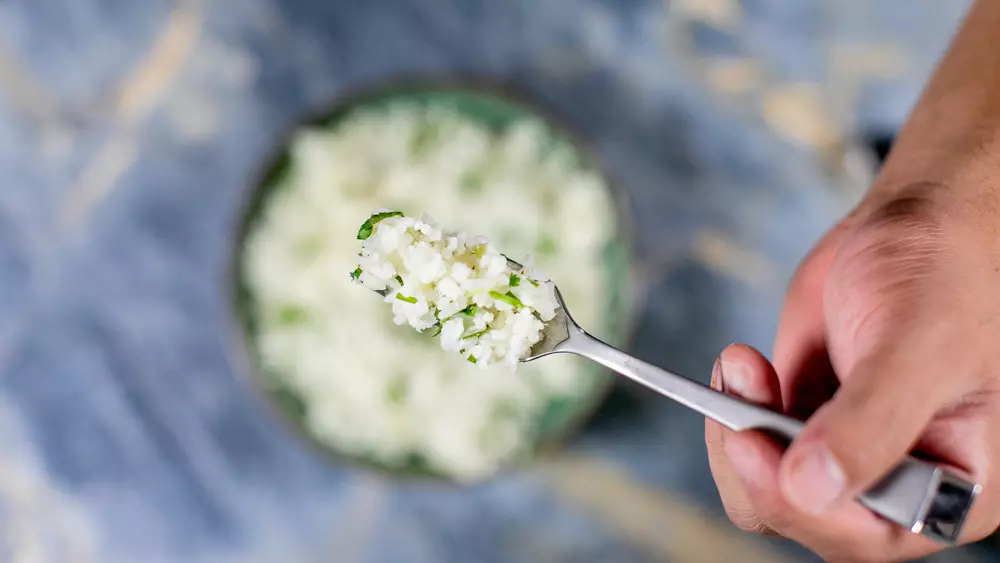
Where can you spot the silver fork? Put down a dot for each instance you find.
(924, 498)
(920, 496)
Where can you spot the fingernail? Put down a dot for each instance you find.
(736, 376)
(814, 481)
(744, 461)
(716, 381)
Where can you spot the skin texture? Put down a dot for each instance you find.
(889, 339)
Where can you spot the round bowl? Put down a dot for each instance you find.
(496, 106)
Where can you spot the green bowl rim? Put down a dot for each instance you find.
(241, 357)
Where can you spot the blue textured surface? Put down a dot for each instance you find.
(129, 134)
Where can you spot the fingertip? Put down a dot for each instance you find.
(745, 372)
(811, 479)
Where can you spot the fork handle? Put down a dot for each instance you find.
(920, 496)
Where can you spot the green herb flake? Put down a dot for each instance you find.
(311, 247)
(424, 138)
(546, 245)
(368, 226)
(468, 312)
(396, 391)
(400, 280)
(438, 326)
(406, 299)
(508, 298)
(472, 181)
(292, 315)
(514, 280)
(532, 282)
(472, 359)
(476, 334)
(356, 273)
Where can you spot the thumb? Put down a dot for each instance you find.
(880, 410)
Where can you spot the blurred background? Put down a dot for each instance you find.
(132, 134)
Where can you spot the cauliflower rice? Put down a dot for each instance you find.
(483, 306)
(381, 392)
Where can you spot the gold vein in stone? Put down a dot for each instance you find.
(135, 99)
(24, 93)
(138, 94)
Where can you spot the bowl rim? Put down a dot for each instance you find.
(239, 347)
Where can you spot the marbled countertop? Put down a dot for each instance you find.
(130, 131)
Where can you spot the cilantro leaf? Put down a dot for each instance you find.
(468, 312)
(476, 334)
(292, 315)
(368, 226)
(508, 298)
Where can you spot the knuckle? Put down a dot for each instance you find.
(776, 520)
(917, 205)
(745, 518)
(892, 252)
(762, 516)
(904, 226)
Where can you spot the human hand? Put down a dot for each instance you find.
(889, 341)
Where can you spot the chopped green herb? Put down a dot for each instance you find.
(368, 226)
(311, 247)
(400, 280)
(508, 298)
(532, 282)
(406, 299)
(472, 359)
(356, 273)
(396, 391)
(476, 334)
(438, 325)
(468, 312)
(546, 245)
(514, 280)
(292, 315)
(423, 138)
(472, 181)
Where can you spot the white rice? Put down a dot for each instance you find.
(382, 391)
(484, 308)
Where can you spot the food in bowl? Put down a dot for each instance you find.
(366, 388)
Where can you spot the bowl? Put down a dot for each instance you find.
(495, 106)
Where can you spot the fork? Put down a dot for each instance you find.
(918, 495)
